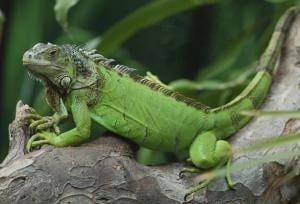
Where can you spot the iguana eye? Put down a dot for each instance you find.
(65, 82)
(53, 53)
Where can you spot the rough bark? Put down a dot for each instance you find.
(105, 171)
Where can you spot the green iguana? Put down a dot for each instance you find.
(87, 85)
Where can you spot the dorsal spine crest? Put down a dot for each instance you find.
(109, 63)
(127, 71)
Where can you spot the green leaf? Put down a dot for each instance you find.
(188, 85)
(291, 114)
(275, 141)
(239, 166)
(276, 1)
(61, 9)
(142, 18)
(2, 19)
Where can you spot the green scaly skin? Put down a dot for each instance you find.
(142, 109)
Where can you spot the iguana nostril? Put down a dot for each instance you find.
(29, 56)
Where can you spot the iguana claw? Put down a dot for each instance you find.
(40, 139)
(39, 123)
(198, 187)
(45, 123)
(188, 170)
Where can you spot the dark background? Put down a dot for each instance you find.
(218, 41)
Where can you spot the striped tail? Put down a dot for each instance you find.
(272, 53)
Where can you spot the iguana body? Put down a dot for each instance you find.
(85, 84)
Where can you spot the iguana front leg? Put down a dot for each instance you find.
(74, 136)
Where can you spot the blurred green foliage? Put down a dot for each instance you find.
(196, 39)
(61, 9)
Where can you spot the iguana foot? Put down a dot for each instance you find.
(44, 123)
(199, 186)
(31, 115)
(188, 170)
(39, 123)
(207, 178)
(42, 138)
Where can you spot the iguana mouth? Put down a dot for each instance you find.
(27, 63)
(28, 59)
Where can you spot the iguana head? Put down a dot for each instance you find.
(61, 68)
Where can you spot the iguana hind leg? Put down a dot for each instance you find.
(207, 152)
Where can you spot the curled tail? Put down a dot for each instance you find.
(254, 94)
(271, 54)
